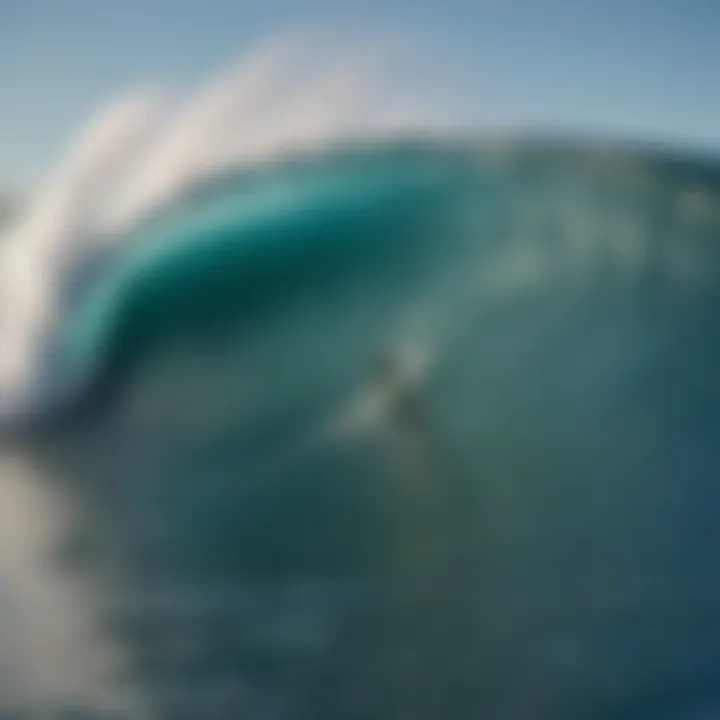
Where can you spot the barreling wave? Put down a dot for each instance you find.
(447, 400)
(282, 174)
(140, 156)
(233, 248)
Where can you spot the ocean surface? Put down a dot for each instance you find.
(402, 430)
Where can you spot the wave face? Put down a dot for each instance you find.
(399, 429)
(415, 427)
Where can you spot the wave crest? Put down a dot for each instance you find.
(146, 148)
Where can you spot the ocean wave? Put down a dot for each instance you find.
(147, 148)
(422, 426)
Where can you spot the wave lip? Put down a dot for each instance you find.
(145, 149)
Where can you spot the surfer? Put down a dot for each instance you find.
(400, 389)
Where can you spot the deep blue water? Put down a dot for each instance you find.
(416, 431)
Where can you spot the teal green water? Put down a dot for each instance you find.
(523, 529)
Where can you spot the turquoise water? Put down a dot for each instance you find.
(418, 431)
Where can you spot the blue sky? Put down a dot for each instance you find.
(643, 68)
